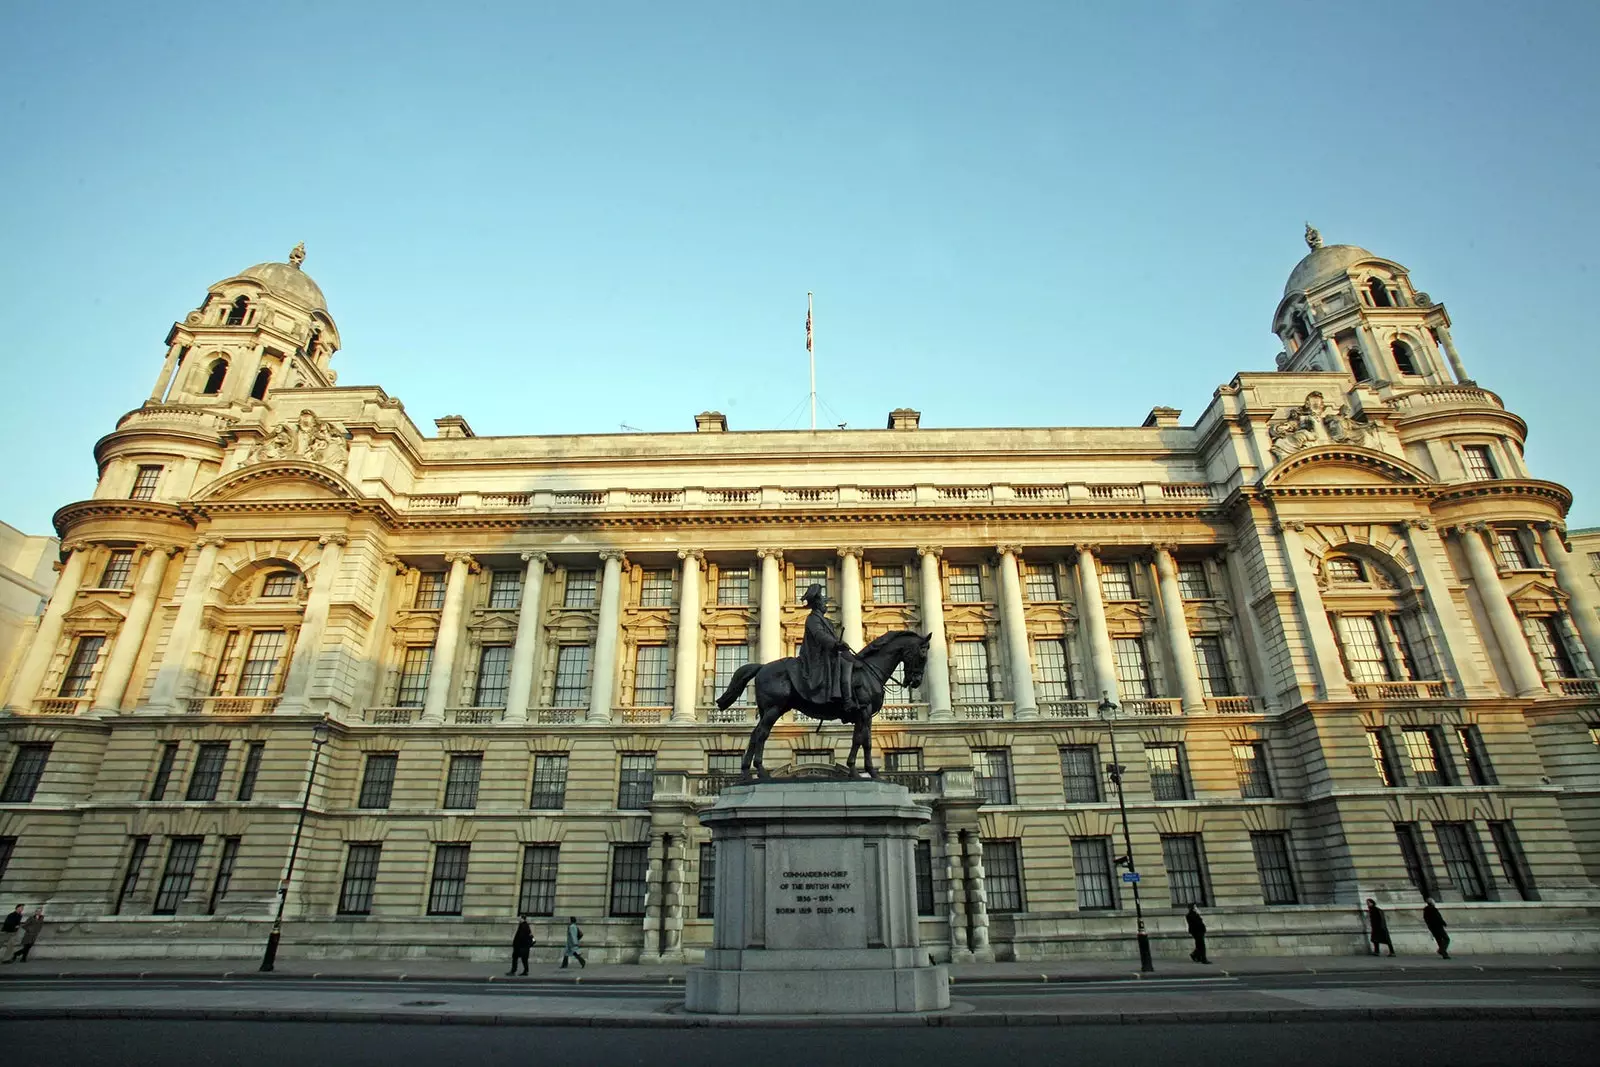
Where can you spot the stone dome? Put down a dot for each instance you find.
(288, 280)
(1324, 264)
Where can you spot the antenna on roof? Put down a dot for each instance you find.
(630, 429)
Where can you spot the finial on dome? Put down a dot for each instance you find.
(297, 254)
(1313, 239)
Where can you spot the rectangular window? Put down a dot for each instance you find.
(1080, 773)
(733, 587)
(183, 854)
(118, 569)
(1362, 645)
(1549, 647)
(922, 867)
(1041, 584)
(1429, 763)
(582, 590)
(971, 662)
(728, 659)
(1193, 584)
(636, 780)
(1459, 849)
(572, 676)
(655, 589)
(966, 587)
(8, 845)
(206, 777)
(707, 903)
(449, 886)
(252, 769)
(1169, 778)
(461, 782)
(1479, 463)
(549, 782)
(888, 584)
(1272, 864)
(1116, 581)
(224, 878)
(991, 774)
(415, 667)
(539, 865)
(1133, 667)
(1002, 875)
(813, 757)
(728, 762)
(629, 865)
(650, 676)
(360, 874)
(1055, 678)
(806, 577)
(1511, 552)
(261, 658)
(1092, 871)
(144, 483)
(1416, 651)
(1213, 666)
(505, 590)
(377, 780)
(27, 768)
(283, 583)
(225, 663)
(902, 759)
(75, 683)
(1250, 763)
(132, 873)
(1513, 863)
(1414, 854)
(1479, 770)
(430, 591)
(169, 756)
(1381, 744)
(1185, 869)
(494, 677)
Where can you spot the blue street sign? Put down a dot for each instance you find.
(1130, 876)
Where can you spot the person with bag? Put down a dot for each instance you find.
(574, 939)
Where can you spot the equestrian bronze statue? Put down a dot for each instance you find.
(828, 682)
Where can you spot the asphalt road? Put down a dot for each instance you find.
(130, 1043)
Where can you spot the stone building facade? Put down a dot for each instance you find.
(1331, 627)
(27, 574)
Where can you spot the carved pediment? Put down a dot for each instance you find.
(93, 612)
(1538, 596)
(282, 480)
(1341, 465)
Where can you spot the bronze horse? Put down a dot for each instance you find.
(775, 694)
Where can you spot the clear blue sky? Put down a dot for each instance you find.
(564, 218)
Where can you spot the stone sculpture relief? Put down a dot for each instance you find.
(308, 438)
(1313, 422)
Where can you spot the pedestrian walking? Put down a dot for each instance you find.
(10, 933)
(1379, 927)
(30, 933)
(1436, 924)
(574, 941)
(521, 942)
(1197, 930)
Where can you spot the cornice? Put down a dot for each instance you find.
(1526, 488)
(72, 515)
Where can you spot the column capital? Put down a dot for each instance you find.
(609, 554)
(774, 554)
(1292, 526)
(1551, 527)
(538, 559)
(1167, 547)
(1476, 527)
(463, 557)
(155, 546)
(1009, 550)
(692, 557)
(77, 545)
(333, 539)
(850, 550)
(1084, 547)
(210, 541)
(1418, 524)
(397, 563)
(930, 550)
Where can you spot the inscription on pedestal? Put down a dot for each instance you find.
(815, 893)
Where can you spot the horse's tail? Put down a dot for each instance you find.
(741, 678)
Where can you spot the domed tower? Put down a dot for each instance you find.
(266, 326)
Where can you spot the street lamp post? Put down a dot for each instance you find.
(1115, 769)
(319, 737)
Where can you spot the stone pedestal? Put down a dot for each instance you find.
(816, 903)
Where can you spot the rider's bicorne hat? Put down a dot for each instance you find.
(813, 595)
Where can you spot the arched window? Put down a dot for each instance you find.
(280, 583)
(214, 380)
(312, 342)
(237, 313)
(1379, 293)
(1345, 569)
(1358, 366)
(263, 379)
(1402, 357)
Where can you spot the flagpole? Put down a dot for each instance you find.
(812, 355)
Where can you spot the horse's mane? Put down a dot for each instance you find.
(883, 639)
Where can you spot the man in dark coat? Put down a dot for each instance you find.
(10, 934)
(1197, 930)
(827, 664)
(1436, 924)
(521, 942)
(1379, 927)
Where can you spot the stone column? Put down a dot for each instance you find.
(1176, 623)
(175, 665)
(30, 675)
(850, 597)
(1324, 647)
(769, 643)
(675, 903)
(1233, 564)
(1508, 633)
(655, 894)
(1424, 545)
(686, 684)
(441, 676)
(158, 394)
(313, 624)
(978, 900)
(372, 684)
(1014, 624)
(603, 684)
(119, 668)
(937, 674)
(956, 887)
(525, 653)
(1092, 612)
(1576, 584)
(1453, 356)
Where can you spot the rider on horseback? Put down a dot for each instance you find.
(826, 663)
